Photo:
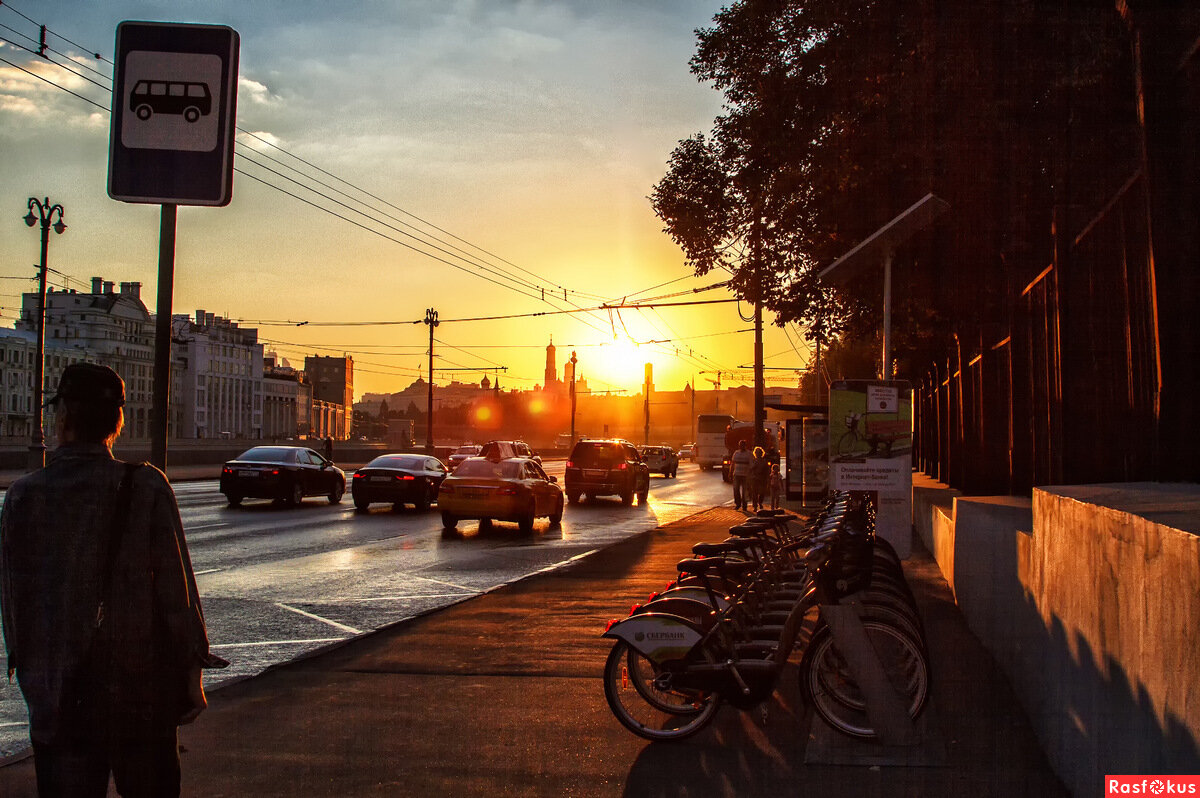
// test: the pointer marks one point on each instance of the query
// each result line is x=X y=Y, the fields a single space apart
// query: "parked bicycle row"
x=724 y=629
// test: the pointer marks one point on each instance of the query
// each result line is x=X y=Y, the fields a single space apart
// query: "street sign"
x=174 y=107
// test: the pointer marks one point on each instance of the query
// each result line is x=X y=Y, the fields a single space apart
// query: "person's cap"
x=90 y=382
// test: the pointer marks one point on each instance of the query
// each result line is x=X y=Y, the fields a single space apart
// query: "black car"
x=284 y=473
x=606 y=468
x=398 y=479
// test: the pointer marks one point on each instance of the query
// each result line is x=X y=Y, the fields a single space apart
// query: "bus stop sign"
x=174 y=106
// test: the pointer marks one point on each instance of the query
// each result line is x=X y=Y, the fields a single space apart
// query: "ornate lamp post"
x=45 y=214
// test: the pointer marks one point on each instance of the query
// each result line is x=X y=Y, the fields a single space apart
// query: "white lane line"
x=209 y=571
x=447 y=584
x=198 y=527
x=10 y=725
x=262 y=643
x=334 y=624
x=407 y=597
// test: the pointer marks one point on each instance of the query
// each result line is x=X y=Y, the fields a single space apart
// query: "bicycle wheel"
x=847 y=443
x=646 y=704
x=829 y=686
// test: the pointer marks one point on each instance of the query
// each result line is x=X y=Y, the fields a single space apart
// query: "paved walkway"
x=501 y=695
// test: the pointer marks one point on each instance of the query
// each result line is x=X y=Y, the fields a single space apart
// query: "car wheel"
x=449 y=521
x=423 y=501
x=574 y=498
x=295 y=495
x=642 y=496
x=234 y=499
x=361 y=504
x=556 y=516
x=525 y=520
x=627 y=497
x=335 y=495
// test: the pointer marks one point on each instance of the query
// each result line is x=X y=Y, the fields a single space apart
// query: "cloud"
x=251 y=91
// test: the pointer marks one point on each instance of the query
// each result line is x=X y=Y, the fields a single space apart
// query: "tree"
x=839 y=114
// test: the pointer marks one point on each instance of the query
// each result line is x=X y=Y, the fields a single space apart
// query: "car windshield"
x=269 y=454
x=597 y=454
x=394 y=461
x=507 y=469
x=467 y=450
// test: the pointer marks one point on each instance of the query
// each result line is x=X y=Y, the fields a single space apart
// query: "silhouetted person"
x=102 y=621
x=329 y=448
x=739 y=466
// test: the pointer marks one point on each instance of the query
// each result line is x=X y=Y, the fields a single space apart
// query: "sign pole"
x=160 y=414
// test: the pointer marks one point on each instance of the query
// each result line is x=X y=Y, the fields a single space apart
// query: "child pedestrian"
x=776 y=485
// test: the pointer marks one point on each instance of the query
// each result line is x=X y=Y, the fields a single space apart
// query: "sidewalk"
x=501 y=695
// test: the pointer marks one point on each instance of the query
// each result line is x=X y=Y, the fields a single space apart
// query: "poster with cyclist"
x=870 y=449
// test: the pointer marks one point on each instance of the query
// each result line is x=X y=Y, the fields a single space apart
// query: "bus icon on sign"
x=188 y=99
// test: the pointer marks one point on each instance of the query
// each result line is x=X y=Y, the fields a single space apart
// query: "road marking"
x=262 y=643
x=334 y=624
x=209 y=571
x=447 y=584
x=404 y=598
x=207 y=526
x=9 y=725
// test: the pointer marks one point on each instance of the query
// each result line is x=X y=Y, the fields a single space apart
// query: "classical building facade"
x=218 y=370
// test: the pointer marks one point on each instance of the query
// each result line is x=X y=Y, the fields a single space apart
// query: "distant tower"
x=551 y=368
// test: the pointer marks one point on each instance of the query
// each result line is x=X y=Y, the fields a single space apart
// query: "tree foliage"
x=840 y=114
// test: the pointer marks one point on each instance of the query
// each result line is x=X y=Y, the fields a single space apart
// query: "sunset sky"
x=514 y=142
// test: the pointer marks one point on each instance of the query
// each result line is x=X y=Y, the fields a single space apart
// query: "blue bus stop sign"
x=174 y=107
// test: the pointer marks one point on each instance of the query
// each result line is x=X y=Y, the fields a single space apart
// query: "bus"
x=710 y=439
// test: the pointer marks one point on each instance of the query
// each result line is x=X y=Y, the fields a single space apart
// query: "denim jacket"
x=52 y=529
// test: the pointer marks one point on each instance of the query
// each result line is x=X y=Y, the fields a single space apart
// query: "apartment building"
x=218 y=378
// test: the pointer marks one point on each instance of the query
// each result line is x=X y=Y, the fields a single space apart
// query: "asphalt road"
x=277 y=582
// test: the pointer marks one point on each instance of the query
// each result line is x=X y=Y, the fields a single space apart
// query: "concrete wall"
x=1089 y=598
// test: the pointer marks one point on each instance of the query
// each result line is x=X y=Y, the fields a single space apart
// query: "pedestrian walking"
x=329 y=448
x=776 y=486
x=740 y=472
x=102 y=620
x=760 y=472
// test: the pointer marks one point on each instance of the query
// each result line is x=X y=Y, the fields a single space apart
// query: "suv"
x=606 y=468
x=503 y=450
x=661 y=460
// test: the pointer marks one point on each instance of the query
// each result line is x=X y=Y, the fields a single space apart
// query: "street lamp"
x=45 y=214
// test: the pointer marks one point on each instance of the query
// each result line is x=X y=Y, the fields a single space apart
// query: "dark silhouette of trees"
x=842 y=113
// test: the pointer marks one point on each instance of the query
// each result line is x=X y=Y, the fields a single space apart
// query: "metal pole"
x=886 y=371
x=574 y=360
x=760 y=411
x=161 y=411
x=37 y=444
x=431 y=319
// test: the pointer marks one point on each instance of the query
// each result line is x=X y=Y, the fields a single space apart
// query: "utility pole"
x=646 y=392
x=431 y=319
x=573 y=361
x=45 y=213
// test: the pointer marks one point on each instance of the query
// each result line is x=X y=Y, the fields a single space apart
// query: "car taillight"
x=275 y=472
x=622 y=466
x=405 y=477
x=507 y=492
x=359 y=476
x=226 y=470
x=570 y=464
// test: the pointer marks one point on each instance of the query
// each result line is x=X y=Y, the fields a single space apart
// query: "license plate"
x=381 y=479
x=247 y=473
x=595 y=472
x=474 y=494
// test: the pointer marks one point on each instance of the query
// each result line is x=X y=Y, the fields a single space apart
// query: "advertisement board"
x=870 y=449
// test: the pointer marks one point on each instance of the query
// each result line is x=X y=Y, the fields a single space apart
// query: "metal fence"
x=1068 y=393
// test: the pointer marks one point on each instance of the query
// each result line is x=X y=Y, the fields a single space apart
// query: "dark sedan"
x=398 y=479
x=284 y=473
